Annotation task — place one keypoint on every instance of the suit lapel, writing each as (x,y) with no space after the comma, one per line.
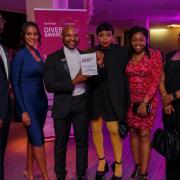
(64,63)
(7,58)
(2,67)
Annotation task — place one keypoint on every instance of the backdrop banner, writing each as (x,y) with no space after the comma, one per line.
(51,23)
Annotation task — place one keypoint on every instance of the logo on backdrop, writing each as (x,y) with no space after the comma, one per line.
(51,29)
(54,29)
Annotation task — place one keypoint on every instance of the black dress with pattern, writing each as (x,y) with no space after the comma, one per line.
(172,84)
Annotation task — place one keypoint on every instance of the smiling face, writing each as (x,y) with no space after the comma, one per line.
(105,38)
(138,42)
(70,37)
(31,36)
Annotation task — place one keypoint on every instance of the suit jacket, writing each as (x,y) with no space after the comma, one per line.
(4,85)
(58,81)
(117,83)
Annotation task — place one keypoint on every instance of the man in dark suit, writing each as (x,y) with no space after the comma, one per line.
(4,101)
(63,78)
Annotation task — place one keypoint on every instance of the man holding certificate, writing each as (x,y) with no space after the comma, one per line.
(64,78)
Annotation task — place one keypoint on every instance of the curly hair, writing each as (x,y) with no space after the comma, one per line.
(145,32)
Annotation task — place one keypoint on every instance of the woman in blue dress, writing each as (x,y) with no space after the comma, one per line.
(27,82)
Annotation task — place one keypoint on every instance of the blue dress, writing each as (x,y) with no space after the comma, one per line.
(27,83)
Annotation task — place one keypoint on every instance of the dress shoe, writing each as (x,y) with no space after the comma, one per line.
(101,174)
(61,178)
(82,178)
(116,178)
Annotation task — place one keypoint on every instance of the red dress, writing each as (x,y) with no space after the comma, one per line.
(144,79)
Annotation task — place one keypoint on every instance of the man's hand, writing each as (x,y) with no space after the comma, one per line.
(79,78)
(26,119)
(1,123)
(100,58)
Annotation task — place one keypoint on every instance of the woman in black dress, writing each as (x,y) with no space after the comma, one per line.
(109,98)
(170,92)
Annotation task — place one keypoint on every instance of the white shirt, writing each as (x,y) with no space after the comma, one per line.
(3,55)
(74,64)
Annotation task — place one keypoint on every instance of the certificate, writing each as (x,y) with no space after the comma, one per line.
(89,64)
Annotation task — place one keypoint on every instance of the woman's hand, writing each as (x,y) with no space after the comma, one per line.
(142,111)
(100,58)
(168,109)
(167,99)
(26,119)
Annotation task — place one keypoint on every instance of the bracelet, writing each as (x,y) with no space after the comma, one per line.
(174,95)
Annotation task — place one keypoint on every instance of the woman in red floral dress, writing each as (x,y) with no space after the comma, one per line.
(144,72)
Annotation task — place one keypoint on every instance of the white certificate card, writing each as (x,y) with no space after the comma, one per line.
(89,64)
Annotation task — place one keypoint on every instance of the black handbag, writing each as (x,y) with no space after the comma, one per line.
(122,129)
(167,144)
(136,105)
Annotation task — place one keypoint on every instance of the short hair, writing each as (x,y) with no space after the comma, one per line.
(23,31)
(145,32)
(105,26)
(69,27)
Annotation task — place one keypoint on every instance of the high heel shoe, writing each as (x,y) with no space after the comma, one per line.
(113,169)
(136,172)
(101,174)
(26,175)
(143,176)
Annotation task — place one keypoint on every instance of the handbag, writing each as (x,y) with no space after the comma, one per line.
(122,129)
(167,144)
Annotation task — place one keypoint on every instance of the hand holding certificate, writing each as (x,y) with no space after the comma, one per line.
(89,64)
(100,59)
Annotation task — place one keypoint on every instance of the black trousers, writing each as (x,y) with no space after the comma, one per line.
(79,117)
(3,142)
(171,122)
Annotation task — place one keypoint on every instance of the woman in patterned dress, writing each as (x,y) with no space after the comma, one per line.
(144,72)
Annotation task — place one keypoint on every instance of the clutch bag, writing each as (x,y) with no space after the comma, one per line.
(136,105)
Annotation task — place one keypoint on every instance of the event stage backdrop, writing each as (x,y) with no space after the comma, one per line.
(51,23)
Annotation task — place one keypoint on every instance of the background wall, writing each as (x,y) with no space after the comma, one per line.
(164,39)
(12,30)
